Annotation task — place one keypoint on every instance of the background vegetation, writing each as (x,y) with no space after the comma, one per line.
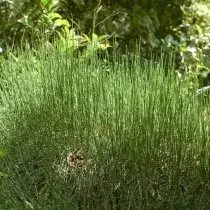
(182,26)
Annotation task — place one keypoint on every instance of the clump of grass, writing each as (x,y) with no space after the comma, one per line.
(78,135)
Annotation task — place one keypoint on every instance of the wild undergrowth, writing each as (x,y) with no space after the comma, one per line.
(85,134)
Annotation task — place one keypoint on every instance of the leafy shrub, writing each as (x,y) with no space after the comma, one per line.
(191,41)
(34,22)
(28,20)
(130,20)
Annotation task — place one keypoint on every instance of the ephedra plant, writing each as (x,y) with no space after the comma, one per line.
(77,134)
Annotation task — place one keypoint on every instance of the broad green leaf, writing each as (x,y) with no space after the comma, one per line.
(87,38)
(199,29)
(60,22)
(46,2)
(54,15)
(49,4)
(94,37)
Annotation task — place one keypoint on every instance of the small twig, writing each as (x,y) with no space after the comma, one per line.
(108,18)
(96,10)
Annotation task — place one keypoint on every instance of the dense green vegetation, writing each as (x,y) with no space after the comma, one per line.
(79,134)
(104,104)
(181,26)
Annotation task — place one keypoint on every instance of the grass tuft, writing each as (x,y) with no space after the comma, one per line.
(79,133)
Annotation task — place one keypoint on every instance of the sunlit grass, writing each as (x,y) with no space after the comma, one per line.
(79,134)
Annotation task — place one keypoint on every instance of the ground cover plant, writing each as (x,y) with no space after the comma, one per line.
(79,133)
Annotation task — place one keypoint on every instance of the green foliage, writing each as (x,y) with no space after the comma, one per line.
(130,20)
(191,41)
(32,23)
(27,21)
(179,25)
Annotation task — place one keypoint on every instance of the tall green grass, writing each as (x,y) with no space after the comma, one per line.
(144,142)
